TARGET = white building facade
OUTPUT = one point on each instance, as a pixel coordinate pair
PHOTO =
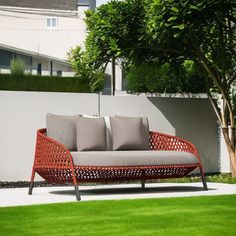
(41, 33)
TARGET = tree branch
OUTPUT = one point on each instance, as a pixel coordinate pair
(232, 18)
(222, 48)
(215, 107)
(227, 139)
(172, 50)
(232, 77)
(225, 96)
(105, 66)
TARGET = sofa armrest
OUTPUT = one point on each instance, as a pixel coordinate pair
(160, 141)
(51, 154)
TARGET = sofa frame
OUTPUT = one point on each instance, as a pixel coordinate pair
(54, 163)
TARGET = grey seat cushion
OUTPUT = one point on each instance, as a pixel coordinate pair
(132, 158)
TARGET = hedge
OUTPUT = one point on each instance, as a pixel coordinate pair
(43, 83)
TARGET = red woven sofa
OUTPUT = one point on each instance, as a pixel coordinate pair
(54, 163)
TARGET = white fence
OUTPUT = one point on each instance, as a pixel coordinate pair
(22, 113)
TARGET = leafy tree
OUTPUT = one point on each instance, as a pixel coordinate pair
(113, 31)
(203, 31)
(110, 35)
(83, 71)
(156, 77)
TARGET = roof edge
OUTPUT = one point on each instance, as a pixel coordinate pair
(31, 53)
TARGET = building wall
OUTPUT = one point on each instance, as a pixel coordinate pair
(44, 63)
(24, 112)
(45, 4)
(46, 67)
(31, 64)
(66, 69)
(30, 31)
(108, 77)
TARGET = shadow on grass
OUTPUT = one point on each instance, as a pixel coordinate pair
(115, 191)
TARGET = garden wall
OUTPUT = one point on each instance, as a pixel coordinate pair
(22, 113)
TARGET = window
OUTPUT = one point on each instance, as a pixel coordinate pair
(5, 58)
(87, 3)
(59, 73)
(26, 59)
(39, 69)
(52, 22)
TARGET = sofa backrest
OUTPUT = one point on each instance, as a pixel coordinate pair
(63, 129)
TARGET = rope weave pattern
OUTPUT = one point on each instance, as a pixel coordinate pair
(54, 163)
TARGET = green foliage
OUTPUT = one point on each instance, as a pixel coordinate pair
(204, 31)
(165, 78)
(110, 32)
(225, 178)
(85, 72)
(42, 83)
(17, 68)
(113, 30)
(194, 29)
(141, 31)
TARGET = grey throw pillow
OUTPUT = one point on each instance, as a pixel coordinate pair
(145, 127)
(62, 129)
(108, 129)
(91, 134)
(129, 134)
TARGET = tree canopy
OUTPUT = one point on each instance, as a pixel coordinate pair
(203, 31)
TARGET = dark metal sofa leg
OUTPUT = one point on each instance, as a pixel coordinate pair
(204, 183)
(143, 184)
(78, 198)
(203, 179)
(31, 183)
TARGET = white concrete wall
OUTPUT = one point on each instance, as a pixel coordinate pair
(192, 119)
(118, 75)
(224, 159)
(22, 113)
(30, 32)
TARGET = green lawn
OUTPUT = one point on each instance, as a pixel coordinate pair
(212, 216)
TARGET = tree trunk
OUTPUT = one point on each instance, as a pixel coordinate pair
(231, 151)
(232, 156)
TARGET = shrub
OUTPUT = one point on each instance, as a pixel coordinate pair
(85, 71)
(17, 68)
(42, 83)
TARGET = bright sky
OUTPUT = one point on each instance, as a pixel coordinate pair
(100, 2)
